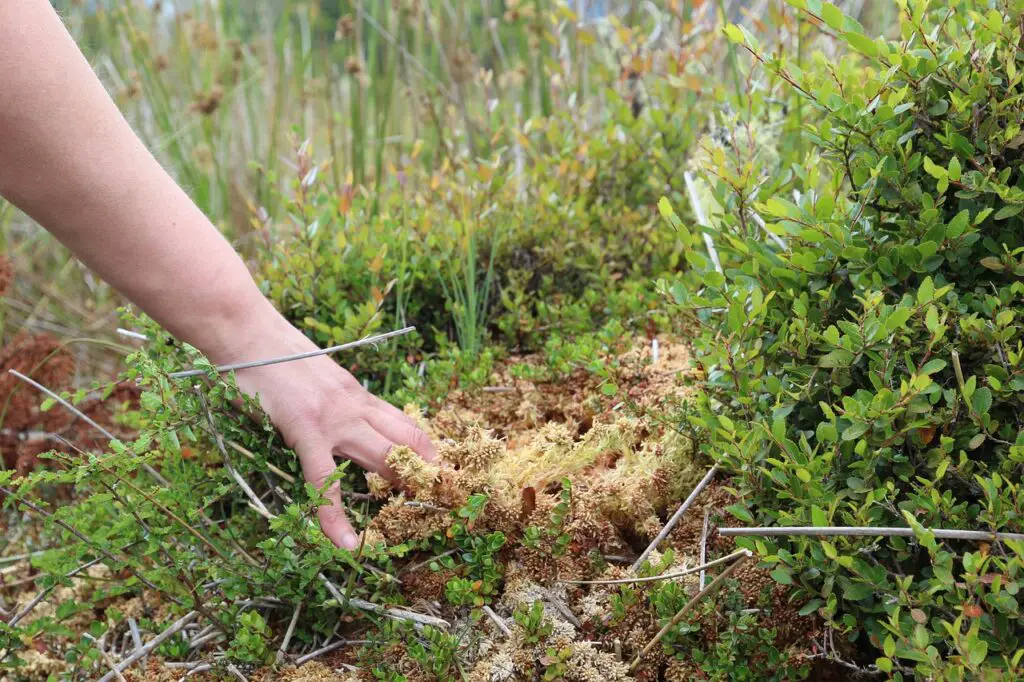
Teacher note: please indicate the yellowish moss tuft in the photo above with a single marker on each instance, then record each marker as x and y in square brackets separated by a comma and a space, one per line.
[378, 486]
[478, 451]
[412, 469]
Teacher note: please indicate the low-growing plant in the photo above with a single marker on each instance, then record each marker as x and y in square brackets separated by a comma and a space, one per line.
[861, 343]
[531, 619]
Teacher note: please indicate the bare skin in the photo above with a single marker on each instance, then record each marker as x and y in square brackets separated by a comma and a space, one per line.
[69, 159]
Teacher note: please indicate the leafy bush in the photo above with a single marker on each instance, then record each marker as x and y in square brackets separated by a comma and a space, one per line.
[864, 364]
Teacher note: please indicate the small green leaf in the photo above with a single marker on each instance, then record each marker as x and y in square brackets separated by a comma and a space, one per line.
[733, 33]
[665, 208]
[740, 512]
[982, 400]
[954, 169]
[937, 172]
[992, 263]
[1008, 211]
[782, 576]
[855, 431]
[837, 358]
[833, 16]
[926, 291]
[897, 318]
[861, 43]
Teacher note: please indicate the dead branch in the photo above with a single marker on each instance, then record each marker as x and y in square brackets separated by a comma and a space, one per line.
[296, 356]
[173, 629]
[689, 605]
[687, 503]
[945, 534]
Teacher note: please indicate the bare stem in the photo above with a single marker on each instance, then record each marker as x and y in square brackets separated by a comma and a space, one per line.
[664, 576]
[689, 605]
[173, 629]
[687, 503]
[945, 534]
[282, 651]
[297, 356]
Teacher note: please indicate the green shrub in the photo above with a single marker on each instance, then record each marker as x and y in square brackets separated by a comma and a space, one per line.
[867, 369]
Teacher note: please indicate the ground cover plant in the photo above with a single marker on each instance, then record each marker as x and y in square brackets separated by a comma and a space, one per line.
[670, 276]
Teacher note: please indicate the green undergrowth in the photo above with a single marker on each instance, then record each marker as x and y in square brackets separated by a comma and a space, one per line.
[864, 364]
[486, 259]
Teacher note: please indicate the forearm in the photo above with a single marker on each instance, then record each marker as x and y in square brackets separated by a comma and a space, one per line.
[71, 161]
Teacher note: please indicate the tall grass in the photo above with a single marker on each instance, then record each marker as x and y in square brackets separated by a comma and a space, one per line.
[223, 92]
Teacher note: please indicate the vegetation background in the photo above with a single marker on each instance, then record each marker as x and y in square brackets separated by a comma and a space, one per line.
[637, 240]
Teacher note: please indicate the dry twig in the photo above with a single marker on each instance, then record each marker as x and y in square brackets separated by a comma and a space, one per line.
[687, 503]
[497, 620]
[282, 651]
[945, 534]
[297, 356]
[172, 630]
[664, 576]
[689, 605]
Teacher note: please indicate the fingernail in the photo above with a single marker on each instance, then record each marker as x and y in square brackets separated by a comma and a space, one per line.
[349, 541]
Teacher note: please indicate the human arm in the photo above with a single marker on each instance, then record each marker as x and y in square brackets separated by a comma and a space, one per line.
[69, 159]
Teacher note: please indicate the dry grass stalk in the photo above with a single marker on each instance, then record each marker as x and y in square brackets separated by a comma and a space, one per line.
[282, 651]
[704, 545]
[390, 612]
[698, 211]
[84, 417]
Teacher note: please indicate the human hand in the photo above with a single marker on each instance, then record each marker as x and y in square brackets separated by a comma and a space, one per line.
[323, 412]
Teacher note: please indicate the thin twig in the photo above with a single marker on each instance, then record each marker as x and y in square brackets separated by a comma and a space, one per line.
[946, 534]
[81, 415]
[132, 335]
[497, 620]
[173, 629]
[675, 518]
[106, 657]
[328, 649]
[664, 576]
[689, 605]
[282, 650]
[65, 404]
[704, 546]
[242, 483]
[560, 606]
[297, 356]
[415, 567]
[236, 672]
[390, 612]
[14, 558]
[133, 629]
[771, 235]
[201, 668]
[249, 454]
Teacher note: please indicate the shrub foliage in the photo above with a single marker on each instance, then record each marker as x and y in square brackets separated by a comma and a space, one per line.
[865, 368]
